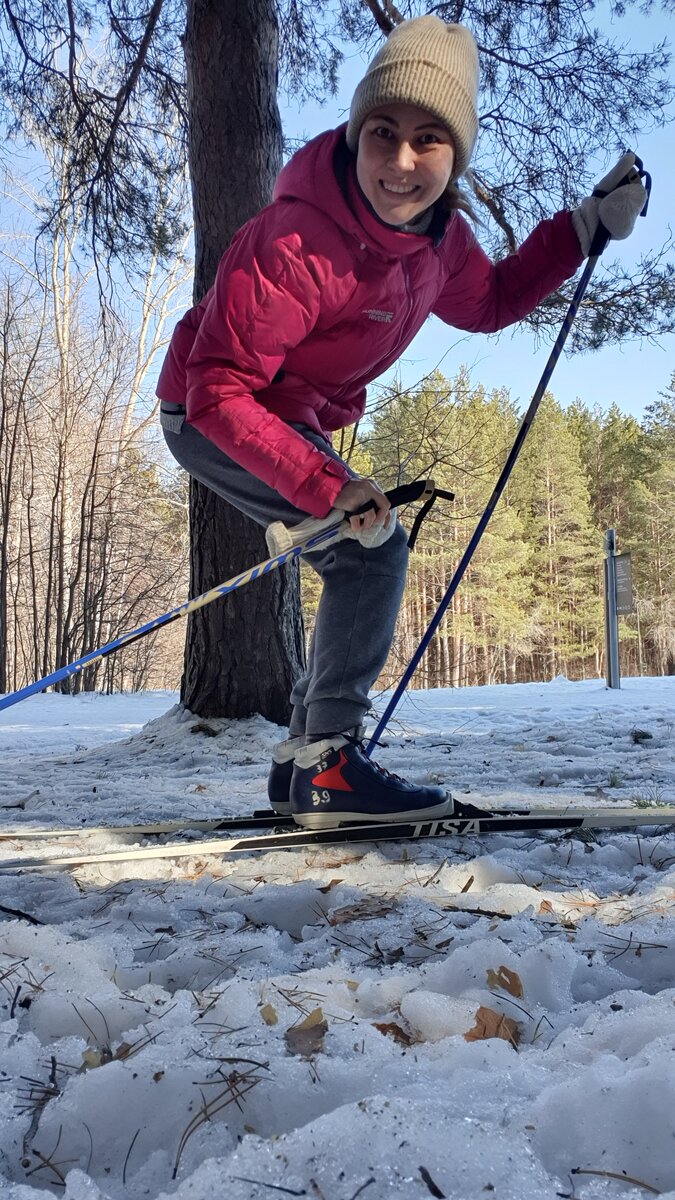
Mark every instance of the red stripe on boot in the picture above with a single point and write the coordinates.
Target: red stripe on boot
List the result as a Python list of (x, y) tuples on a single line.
[(333, 778)]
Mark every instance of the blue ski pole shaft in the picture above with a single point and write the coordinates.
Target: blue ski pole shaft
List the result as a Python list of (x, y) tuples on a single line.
[(492, 502), (308, 536), (183, 610)]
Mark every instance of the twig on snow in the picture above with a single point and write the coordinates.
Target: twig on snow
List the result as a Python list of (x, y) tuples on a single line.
[(620, 1175), (275, 1187), (128, 1156), (22, 916)]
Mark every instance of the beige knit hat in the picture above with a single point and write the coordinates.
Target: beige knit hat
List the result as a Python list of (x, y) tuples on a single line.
[(433, 65)]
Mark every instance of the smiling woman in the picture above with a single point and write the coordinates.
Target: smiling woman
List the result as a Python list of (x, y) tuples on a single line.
[(404, 163)]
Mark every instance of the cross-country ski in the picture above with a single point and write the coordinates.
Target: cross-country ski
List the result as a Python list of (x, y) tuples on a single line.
[(531, 821)]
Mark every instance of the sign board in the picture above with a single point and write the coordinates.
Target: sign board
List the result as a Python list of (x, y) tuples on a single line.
[(624, 584)]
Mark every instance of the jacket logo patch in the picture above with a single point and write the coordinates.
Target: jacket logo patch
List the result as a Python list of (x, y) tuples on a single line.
[(378, 314)]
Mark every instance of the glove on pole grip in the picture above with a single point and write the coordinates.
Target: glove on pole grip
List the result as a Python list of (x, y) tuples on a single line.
[(602, 236), (280, 537)]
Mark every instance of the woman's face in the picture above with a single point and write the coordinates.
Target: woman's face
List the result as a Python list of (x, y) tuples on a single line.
[(404, 162)]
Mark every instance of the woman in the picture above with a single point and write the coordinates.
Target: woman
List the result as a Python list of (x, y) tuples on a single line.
[(316, 297)]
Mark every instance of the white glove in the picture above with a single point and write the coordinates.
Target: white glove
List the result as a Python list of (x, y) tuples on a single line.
[(377, 535), (281, 538), (614, 205)]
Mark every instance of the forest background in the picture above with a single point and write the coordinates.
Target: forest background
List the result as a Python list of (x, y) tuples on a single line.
[(93, 520)]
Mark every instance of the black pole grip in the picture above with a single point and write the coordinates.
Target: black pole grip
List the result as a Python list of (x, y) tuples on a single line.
[(405, 493)]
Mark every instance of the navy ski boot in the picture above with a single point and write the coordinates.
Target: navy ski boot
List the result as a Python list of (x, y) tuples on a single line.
[(335, 783), (281, 773)]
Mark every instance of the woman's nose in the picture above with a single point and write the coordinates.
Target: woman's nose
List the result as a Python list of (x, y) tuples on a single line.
[(404, 157)]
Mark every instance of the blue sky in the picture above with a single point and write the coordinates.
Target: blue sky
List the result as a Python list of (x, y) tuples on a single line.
[(631, 374)]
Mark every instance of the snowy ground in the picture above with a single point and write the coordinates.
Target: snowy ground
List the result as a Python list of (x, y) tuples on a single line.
[(299, 1023)]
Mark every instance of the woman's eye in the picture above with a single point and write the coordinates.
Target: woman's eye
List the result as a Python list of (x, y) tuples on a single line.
[(382, 131)]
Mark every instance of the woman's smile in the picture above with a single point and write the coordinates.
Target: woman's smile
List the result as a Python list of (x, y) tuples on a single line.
[(398, 189)]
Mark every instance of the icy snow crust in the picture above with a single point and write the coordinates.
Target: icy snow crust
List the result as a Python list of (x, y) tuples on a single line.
[(149, 1024)]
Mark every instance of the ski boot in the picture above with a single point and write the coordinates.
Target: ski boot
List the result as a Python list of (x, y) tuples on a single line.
[(281, 772), (335, 783)]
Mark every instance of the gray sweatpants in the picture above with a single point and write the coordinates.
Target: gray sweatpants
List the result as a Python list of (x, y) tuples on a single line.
[(361, 594)]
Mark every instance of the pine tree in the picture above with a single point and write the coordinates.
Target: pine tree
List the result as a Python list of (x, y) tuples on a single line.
[(460, 436), (654, 553), (566, 547)]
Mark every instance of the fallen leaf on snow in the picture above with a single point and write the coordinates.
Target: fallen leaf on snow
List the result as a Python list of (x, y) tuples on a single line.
[(307, 1037), (94, 1058), (391, 1029), (508, 981), (491, 1024), (364, 910), (269, 1014)]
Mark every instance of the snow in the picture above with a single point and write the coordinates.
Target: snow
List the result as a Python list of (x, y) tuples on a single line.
[(294, 1023)]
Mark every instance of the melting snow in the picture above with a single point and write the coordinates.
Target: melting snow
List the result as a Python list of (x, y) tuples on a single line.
[(295, 1023)]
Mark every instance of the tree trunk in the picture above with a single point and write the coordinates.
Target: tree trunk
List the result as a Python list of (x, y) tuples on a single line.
[(243, 653)]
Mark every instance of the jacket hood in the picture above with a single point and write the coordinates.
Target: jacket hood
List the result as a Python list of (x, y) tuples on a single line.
[(323, 173)]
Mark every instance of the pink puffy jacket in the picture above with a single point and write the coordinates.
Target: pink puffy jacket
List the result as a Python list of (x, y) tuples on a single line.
[(315, 298)]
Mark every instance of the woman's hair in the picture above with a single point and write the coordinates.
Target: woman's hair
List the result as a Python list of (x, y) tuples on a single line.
[(454, 197)]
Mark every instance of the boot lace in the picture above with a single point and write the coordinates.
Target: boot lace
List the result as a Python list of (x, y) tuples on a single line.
[(360, 744)]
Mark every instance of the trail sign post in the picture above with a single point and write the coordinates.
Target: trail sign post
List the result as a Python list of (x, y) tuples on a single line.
[(613, 674)]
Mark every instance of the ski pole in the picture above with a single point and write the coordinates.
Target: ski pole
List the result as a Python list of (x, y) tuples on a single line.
[(600, 241), (306, 536)]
